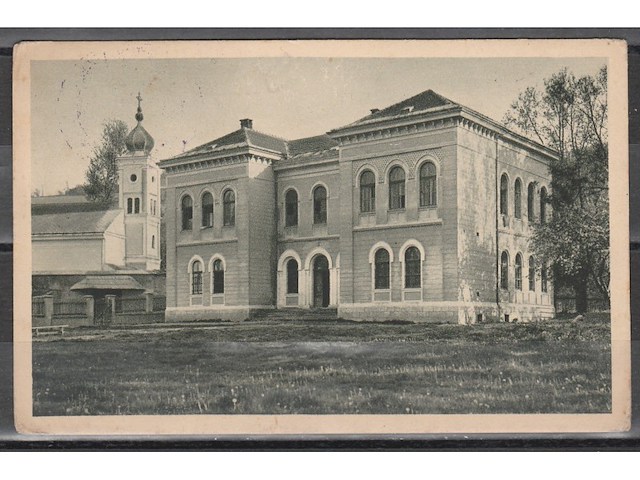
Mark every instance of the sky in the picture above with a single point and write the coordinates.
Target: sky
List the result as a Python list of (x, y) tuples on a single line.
[(187, 102)]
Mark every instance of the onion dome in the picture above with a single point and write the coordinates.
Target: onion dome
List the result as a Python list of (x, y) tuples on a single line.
[(139, 139)]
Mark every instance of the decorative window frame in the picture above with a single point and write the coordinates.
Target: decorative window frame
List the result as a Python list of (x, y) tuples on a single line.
[(412, 243), (189, 194), (282, 279), (286, 190), (372, 262), (223, 191), (436, 163), (376, 176), (201, 205), (311, 191), (217, 296), (192, 296), (387, 176)]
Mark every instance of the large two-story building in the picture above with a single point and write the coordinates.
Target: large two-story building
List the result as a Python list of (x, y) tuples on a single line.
[(419, 211)]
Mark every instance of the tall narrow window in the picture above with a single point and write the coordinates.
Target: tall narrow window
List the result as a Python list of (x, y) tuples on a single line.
[(504, 194), (543, 278), (543, 205), (129, 205), (291, 208), (207, 210), (518, 272), (428, 185), (218, 277), (396, 189), (367, 192), (153, 241), (517, 199), (136, 205), (531, 201), (412, 268), (229, 208), (196, 278), (187, 213), (382, 269), (292, 276), (319, 205), (532, 274), (504, 270)]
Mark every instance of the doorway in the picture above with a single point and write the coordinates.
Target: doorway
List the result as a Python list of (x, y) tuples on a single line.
[(320, 282)]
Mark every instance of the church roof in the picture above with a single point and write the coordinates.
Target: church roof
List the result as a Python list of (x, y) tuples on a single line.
[(139, 139), (427, 100), (54, 215), (243, 137)]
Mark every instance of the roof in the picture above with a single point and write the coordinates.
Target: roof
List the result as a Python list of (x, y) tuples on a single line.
[(316, 144), (243, 137), (76, 217), (107, 282), (421, 102)]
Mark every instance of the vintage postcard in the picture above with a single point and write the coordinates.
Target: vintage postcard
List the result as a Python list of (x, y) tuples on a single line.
[(321, 237)]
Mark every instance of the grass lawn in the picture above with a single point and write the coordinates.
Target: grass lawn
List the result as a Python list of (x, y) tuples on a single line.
[(327, 367)]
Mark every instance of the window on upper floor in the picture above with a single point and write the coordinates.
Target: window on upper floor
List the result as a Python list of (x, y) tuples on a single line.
[(543, 278), (291, 208), (412, 268), (229, 208), (129, 205), (292, 276), (531, 201), (217, 277), (382, 276), (136, 205), (504, 194), (187, 213), (396, 188), (517, 199), (428, 192), (196, 278), (367, 192), (207, 210), (518, 272), (504, 270), (543, 205), (319, 205)]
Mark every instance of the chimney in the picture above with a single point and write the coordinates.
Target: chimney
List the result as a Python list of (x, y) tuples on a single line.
[(246, 123), (374, 110)]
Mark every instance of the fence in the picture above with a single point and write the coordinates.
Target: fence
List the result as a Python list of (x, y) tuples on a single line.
[(70, 308), (568, 305), (131, 305), (37, 307), (159, 304)]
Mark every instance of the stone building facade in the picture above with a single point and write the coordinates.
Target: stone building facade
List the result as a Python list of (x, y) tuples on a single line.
[(420, 211)]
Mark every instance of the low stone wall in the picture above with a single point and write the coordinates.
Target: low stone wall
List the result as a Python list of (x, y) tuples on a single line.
[(137, 318), (191, 314), (398, 312), (72, 321)]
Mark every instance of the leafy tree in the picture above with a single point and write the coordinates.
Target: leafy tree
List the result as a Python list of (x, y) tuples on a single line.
[(570, 116), (102, 174)]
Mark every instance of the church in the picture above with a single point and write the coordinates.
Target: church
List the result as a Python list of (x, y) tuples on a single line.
[(420, 211)]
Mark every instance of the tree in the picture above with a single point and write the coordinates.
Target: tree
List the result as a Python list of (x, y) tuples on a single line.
[(570, 116), (102, 174)]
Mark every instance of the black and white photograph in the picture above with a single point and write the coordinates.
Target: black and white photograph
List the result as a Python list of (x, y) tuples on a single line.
[(279, 237)]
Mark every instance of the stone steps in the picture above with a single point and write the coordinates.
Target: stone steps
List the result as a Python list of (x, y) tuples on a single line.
[(296, 314)]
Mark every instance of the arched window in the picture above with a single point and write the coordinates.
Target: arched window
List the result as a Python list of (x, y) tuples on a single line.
[(543, 278), (518, 272), (129, 205), (412, 268), (136, 205), (319, 205), (187, 213), (292, 276), (396, 188), (504, 194), (367, 192), (517, 199), (196, 278), (531, 201), (382, 269), (428, 193), (291, 208), (543, 205), (504, 270), (532, 274), (207, 210), (218, 277), (229, 208)]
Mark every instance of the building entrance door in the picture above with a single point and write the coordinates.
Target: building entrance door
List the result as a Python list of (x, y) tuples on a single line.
[(320, 282)]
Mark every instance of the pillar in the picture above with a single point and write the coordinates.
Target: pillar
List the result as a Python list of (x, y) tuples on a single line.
[(148, 302), (48, 308), (90, 302)]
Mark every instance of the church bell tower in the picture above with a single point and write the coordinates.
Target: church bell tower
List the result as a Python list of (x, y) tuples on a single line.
[(139, 198)]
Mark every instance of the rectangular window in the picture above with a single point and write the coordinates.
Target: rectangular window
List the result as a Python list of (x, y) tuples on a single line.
[(196, 283), (137, 206), (218, 281), (397, 196), (129, 205), (367, 198), (382, 276)]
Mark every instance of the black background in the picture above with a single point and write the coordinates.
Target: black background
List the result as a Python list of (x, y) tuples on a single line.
[(10, 440)]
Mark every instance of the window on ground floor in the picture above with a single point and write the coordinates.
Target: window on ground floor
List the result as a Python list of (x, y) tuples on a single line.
[(382, 269), (412, 263), (292, 276), (218, 277)]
